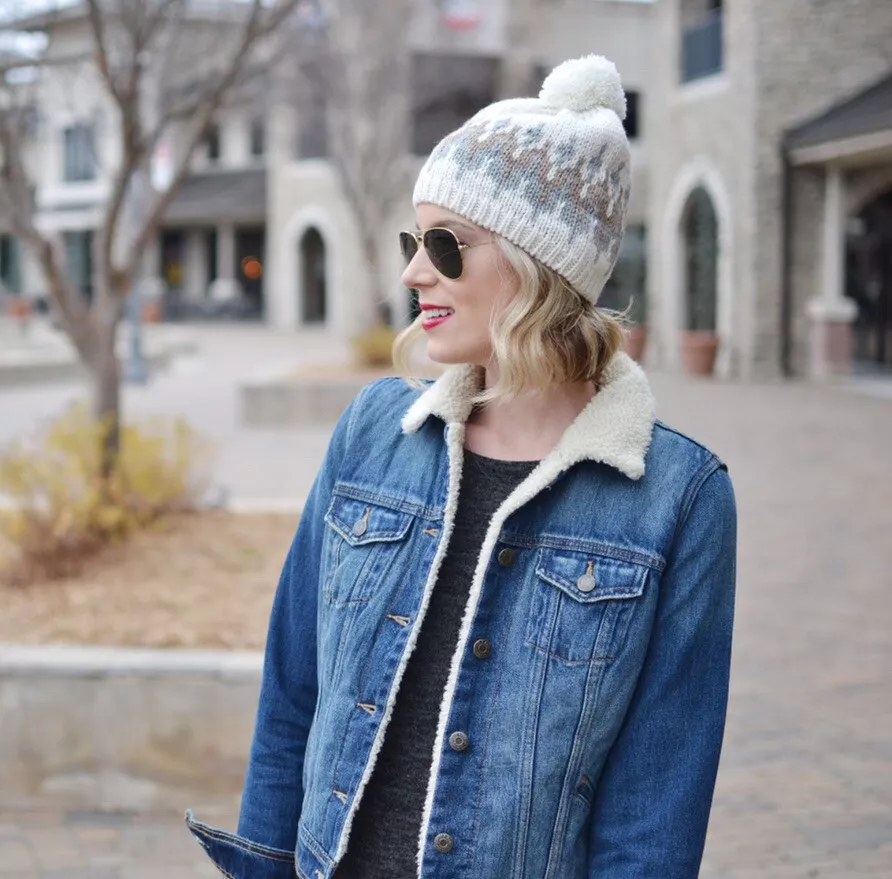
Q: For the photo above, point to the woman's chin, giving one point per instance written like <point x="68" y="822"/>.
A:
<point x="445" y="353"/>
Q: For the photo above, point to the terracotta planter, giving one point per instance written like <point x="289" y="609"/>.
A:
<point x="698" y="351"/>
<point x="151" y="313"/>
<point x="18" y="308"/>
<point x="636" y="341"/>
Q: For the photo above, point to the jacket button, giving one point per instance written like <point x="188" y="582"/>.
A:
<point x="361" y="527"/>
<point x="458" y="741"/>
<point x="482" y="648"/>
<point x="586" y="583"/>
<point x="506" y="557"/>
<point x="443" y="843"/>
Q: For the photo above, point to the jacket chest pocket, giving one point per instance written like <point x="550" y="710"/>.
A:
<point x="362" y="543"/>
<point x="582" y="605"/>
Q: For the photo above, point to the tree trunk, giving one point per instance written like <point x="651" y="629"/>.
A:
<point x="105" y="377"/>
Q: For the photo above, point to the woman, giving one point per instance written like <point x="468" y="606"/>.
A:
<point x="501" y="639"/>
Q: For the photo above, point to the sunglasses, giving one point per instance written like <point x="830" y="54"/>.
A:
<point x="442" y="247"/>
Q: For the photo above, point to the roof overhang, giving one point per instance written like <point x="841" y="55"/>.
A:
<point x="854" y="132"/>
<point x="858" y="151"/>
<point x="219" y="196"/>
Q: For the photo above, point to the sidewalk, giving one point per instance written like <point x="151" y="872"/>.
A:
<point x="94" y="846"/>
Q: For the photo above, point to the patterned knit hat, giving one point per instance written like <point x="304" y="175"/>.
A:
<point x="550" y="174"/>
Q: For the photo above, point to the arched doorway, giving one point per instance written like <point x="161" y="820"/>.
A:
<point x="869" y="282"/>
<point x="700" y="234"/>
<point x="313" y="279"/>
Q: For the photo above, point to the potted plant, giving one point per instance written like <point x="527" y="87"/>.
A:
<point x="700" y="341"/>
<point x="18" y="307"/>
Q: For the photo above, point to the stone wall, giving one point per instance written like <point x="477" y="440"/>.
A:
<point x="701" y="133"/>
<point x="131" y="730"/>
<point x="810" y="55"/>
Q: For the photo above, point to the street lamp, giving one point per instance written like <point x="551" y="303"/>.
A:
<point x="135" y="369"/>
<point x="137" y="203"/>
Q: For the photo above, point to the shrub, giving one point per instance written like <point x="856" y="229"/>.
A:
<point x="374" y="347"/>
<point x="60" y="509"/>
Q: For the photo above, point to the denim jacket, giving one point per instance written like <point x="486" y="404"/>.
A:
<point x="591" y="673"/>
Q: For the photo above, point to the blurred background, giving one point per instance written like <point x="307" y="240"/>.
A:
<point x="199" y="202"/>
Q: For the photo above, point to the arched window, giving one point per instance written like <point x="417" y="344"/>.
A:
<point x="701" y="252"/>
<point x="312" y="278"/>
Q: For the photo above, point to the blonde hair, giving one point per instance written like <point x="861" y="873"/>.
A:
<point x="545" y="336"/>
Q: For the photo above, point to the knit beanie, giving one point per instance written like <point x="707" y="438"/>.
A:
<point x="550" y="174"/>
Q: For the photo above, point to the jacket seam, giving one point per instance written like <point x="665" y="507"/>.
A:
<point x="663" y="426"/>
<point x="244" y="844"/>
<point x="594" y="547"/>
<point x="343" y="489"/>
<point x="713" y="465"/>
<point x="314" y="846"/>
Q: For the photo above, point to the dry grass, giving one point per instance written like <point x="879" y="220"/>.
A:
<point x="200" y="580"/>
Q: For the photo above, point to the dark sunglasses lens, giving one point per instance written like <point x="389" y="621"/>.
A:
<point x="408" y="246"/>
<point x="442" y="247"/>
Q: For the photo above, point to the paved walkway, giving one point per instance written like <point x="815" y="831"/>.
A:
<point x="805" y="788"/>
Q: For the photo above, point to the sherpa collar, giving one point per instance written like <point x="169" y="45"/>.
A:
<point x="614" y="428"/>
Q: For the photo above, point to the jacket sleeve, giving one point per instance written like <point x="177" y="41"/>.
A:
<point x="653" y="799"/>
<point x="273" y="791"/>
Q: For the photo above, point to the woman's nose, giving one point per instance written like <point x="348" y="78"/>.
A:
<point x="420" y="271"/>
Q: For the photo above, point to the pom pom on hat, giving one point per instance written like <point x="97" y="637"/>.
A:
<point x="583" y="84"/>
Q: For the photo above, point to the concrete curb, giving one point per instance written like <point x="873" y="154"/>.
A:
<point x="265" y="506"/>
<point x="92" y="662"/>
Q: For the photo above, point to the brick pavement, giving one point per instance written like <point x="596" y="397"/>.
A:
<point x="805" y="789"/>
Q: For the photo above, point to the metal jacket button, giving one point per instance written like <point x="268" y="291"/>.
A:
<point x="458" y="741"/>
<point x="443" y="843"/>
<point x="506" y="557"/>
<point x="362" y="525"/>
<point x="586" y="583"/>
<point x="482" y="648"/>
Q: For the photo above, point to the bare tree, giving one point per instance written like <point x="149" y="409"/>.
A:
<point x="352" y="55"/>
<point x="166" y="67"/>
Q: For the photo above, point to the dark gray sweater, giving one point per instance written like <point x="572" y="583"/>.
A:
<point x="384" y="839"/>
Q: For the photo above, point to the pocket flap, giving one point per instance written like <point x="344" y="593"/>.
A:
<point x="589" y="578"/>
<point x="360" y="522"/>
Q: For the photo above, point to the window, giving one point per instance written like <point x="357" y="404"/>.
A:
<point x="633" y="120"/>
<point x="79" y="259"/>
<point x="258" y="137"/>
<point x="312" y="123"/>
<point x="80" y="155"/>
<point x="447" y="91"/>
<point x="700" y="230"/>
<point x="702" y="49"/>
<point x="10" y="265"/>
<point x="212" y="142"/>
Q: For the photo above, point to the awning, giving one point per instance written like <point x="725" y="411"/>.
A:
<point x="857" y="129"/>
<point x="219" y="196"/>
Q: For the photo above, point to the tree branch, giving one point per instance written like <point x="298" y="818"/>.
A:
<point x="254" y="30"/>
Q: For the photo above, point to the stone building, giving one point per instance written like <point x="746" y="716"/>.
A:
<point x="769" y="191"/>
<point x="315" y="270"/>
<point x="762" y="176"/>
<point x="263" y="191"/>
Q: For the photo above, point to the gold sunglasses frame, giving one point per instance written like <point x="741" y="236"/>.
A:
<point x="419" y="244"/>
